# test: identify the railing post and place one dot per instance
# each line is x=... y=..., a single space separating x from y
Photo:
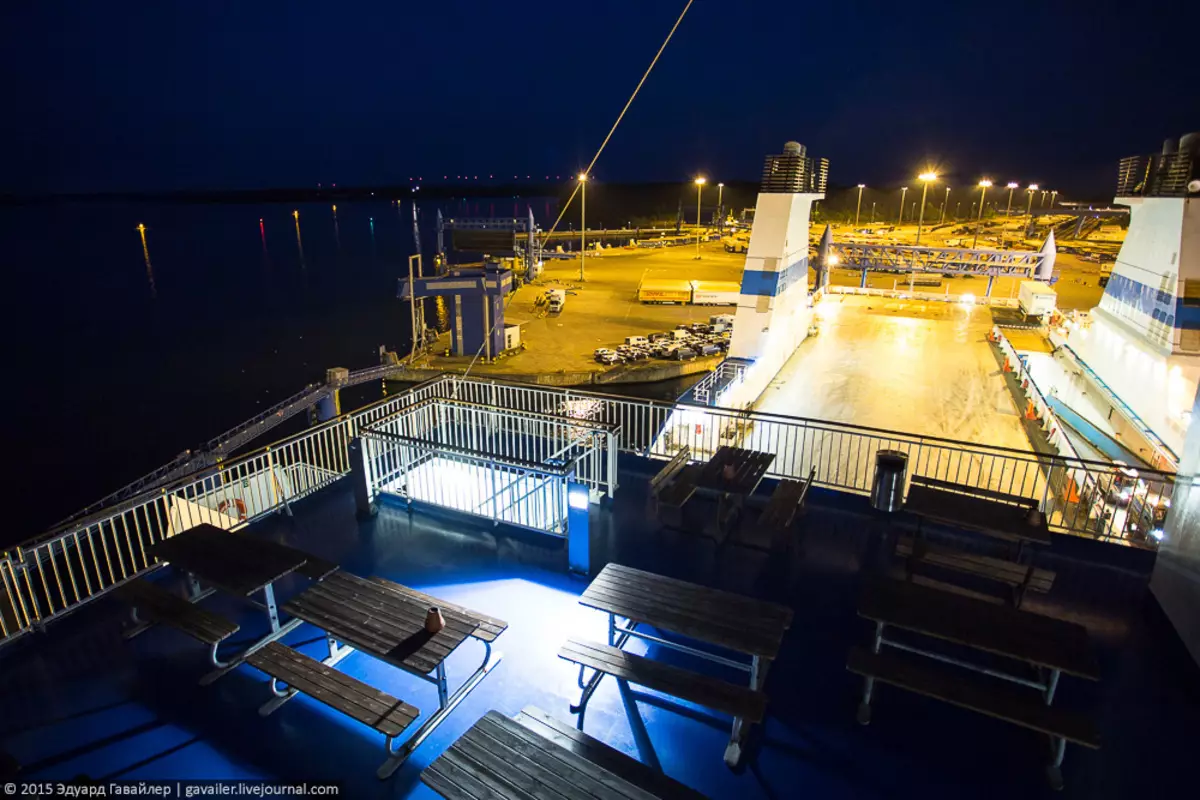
x=360 y=477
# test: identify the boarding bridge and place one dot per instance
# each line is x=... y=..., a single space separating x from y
x=939 y=260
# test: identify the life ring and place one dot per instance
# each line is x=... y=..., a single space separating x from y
x=241 y=507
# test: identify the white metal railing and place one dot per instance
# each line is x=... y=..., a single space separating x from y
x=55 y=573
x=932 y=297
x=473 y=482
x=527 y=437
x=1078 y=496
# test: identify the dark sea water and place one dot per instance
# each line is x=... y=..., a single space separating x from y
x=120 y=357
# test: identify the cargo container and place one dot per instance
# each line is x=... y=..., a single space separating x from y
x=659 y=290
x=716 y=293
x=1036 y=299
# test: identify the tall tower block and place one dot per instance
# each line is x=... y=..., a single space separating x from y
x=774 y=312
x=1155 y=286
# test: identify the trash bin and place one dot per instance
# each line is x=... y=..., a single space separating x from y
x=887 y=487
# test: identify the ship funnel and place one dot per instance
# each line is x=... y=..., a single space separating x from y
x=1049 y=251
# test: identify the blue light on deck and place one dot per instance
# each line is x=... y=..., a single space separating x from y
x=577 y=497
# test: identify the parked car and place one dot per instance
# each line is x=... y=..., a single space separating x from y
x=636 y=340
x=659 y=337
x=709 y=350
x=600 y=351
x=684 y=354
x=610 y=358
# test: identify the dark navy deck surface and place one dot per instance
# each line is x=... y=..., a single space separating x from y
x=79 y=700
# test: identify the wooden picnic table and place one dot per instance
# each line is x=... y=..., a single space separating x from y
x=387 y=621
x=1004 y=521
x=232 y=562
x=1050 y=646
x=236 y=564
x=732 y=474
x=744 y=625
x=1053 y=644
x=746 y=469
x=536 y=758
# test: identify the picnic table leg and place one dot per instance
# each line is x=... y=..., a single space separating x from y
x=589 y=688
x=1058 y=747
x=193 y=587
x=741 y=728
x=864 y=708
x=277 y=632
x=272 y=610
x=1051 y=686
x=446 y=704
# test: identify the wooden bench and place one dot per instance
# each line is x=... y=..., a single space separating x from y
x=989 y=494
x=1019 y=578
x=601 y=755
x=738 y=701
x=157 y=605
x=489 y=627
x=335 y=689
x=665 y=475
x=681 y=489
x=1016 y=706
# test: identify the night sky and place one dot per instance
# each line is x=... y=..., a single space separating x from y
x=167 y=94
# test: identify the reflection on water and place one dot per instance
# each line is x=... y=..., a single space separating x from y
x=299 y=241
x=441 y=312
x=212 y=329
x=146 y=257
x=262 y=234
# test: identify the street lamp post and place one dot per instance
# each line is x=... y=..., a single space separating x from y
x=903 y=191
x=872 y=212
x=858 y=208
x=945 y=203
x=699 y=188
x=582 y=221
x=1033 y=187
x=720 y=207
x=1053 y=194
x=1007 y=213
x=983 y=187
x=925 y=178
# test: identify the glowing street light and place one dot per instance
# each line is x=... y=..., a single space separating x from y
x=1053 y=194
x=720 y=208
x=582 y=221
x=903 y=191
x=858 y=208
x=926 y=178
x=983 y=187
x=945 y=202
x=699 y=189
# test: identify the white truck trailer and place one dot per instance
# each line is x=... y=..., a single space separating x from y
x=1036 y=299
